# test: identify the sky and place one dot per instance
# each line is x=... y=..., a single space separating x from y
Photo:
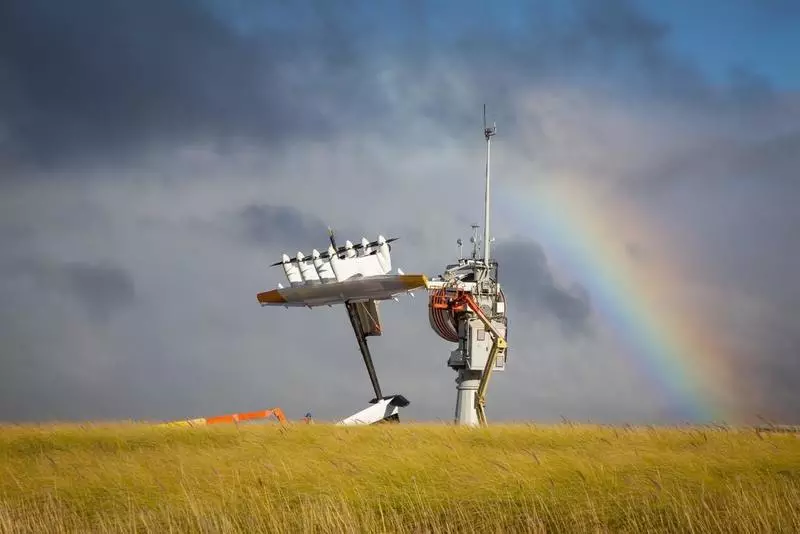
x=156 y=157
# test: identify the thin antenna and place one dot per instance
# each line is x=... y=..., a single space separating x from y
x=488 y=133
x=474 y=240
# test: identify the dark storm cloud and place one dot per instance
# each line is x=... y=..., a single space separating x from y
x=285 y=229
x=769 y=161
x=102 y=289
x=264 y=224
x=527 y=277
x=97 y=80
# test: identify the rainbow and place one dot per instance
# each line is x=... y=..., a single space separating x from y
x=585 y=233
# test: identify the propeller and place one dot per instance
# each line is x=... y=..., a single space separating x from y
x=376 y=243
x=301 y=259
x=357 y=246
x=305 y=259
x=337 y=251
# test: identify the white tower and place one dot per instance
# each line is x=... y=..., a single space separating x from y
x=468 y=307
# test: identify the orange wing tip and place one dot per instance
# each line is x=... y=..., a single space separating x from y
x=413 y=281
x=271 y=297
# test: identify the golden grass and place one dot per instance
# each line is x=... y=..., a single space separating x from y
x=397 y=478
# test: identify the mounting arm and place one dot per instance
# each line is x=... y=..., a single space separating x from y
x=361 y=338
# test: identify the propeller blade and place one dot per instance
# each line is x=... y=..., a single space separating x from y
x=375 y=243
x=295 y=260
x=338 y=251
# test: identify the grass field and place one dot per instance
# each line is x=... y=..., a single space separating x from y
x=397 y=478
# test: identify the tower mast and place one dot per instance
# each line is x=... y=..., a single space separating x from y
x=488 y=133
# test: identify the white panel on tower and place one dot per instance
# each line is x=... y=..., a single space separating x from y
x=479 y=344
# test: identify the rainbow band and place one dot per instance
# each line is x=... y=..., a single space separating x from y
x=638 y=302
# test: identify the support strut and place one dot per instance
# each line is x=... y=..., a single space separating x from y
x=358 y=329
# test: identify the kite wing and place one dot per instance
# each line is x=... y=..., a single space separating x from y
x=356 y=289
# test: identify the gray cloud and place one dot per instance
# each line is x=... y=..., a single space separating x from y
x=101 y=289
x=264 y=224
x=144 y=78
x=531 y=287
x=189 y=144
x=98 y=79
x=636 y=251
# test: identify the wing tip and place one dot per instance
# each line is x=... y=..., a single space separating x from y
x=413 y=281
x=270 y=297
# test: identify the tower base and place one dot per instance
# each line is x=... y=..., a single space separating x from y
x=467 y=388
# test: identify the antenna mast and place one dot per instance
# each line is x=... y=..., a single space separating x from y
x=488 y=133
x=468 y=307
x=475 y=240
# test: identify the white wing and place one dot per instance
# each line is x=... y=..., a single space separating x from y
x=382 y=287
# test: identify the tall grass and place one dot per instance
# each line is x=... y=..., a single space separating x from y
x=398 y=478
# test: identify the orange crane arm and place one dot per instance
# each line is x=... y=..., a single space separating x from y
x=247 y=416
x=231 y=418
